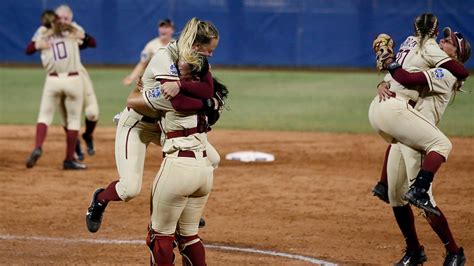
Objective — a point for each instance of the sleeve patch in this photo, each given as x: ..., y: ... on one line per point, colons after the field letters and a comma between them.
x: 144, y: 56
x: 173, y: 70
x: 153, y: 93
x: 438, y: 73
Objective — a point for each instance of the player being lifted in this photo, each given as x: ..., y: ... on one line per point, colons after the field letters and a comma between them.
x: 59, y: 45
x: 403, y: 160
x: 137, y: 129
x: 165, y: 36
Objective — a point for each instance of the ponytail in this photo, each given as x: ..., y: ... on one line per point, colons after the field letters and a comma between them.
x: 195, y: 32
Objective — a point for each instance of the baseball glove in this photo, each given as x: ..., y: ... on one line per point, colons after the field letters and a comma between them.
x: 220, y: 93
x: 383, y: 48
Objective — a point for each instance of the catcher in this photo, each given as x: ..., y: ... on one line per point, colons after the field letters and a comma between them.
x: 438, y: 86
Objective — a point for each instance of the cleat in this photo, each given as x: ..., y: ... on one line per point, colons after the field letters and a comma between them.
x: 381, y: 191
x: 73, y: 165
x: 95, y: 212
x: 455, y: 259
x: 78, y: 151
x: 419, y: 197
x: 202, y: 223
x: 413, y: 258
x: 34, y: 156
x: 89, y: 143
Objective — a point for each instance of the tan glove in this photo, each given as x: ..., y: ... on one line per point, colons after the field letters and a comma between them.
x: 383, y: 48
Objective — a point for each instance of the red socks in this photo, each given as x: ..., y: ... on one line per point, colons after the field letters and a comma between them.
x: 441, y: 228
x: 41, y: 130
x: 161, y: 247
x: 383, y: 175
x: 192, y: 250
x: 432, y: 162
x: 71, y: 140
x: 406, y: 222
x: 109, y: 194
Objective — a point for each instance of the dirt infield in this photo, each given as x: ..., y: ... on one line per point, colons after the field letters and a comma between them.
x: 314, y: 200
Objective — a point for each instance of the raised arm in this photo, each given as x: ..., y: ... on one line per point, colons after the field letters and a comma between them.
x: 456, y: 68
x: 88, y: 41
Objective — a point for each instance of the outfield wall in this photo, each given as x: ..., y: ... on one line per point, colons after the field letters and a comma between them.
x: 314, y: 33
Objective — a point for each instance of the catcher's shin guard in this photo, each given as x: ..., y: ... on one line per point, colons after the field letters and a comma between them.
x: 161, y: 248
x: 192, y: 250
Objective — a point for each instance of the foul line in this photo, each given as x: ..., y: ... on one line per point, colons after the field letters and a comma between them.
x: 142, y: 242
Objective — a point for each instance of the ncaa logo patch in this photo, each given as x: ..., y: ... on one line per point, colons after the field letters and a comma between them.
x: 173, y: 70
x: 438, y: 73
x: 154, y: 93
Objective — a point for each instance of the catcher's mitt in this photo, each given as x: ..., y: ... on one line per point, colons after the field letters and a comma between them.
x: 383, y: 48
x: 220, y: 93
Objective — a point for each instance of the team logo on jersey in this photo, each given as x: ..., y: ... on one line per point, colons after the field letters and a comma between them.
x: 438, y: 73
x: 144, y: 56
x: 154, y: 93
x: 173, y: 69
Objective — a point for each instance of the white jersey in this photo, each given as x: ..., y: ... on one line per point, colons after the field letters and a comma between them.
x: 62, y: 56
x: 414, y: 59
x: 435, y: 99
x: 151, y: 48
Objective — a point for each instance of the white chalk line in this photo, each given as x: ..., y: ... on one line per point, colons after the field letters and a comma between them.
x: 142, y: 242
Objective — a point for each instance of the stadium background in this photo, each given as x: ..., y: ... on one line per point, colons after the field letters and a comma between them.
x: 314, y: 200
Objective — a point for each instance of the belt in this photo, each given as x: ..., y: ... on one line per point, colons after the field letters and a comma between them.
x: 182, y: 133
x: 188, y: 154
x: 54, y: 74
x: 150, y: 120
x: 412, y: 103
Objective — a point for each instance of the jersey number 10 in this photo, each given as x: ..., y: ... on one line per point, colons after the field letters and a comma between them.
x: 59, y: 50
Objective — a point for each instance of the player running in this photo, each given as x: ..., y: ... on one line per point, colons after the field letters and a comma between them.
x: 165, y: 36
x: 59, y: 45
x: 136, y: 129
x: 404, y: 161
x: 90, y: 107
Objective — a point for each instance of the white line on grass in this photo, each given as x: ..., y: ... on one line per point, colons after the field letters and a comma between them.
x: 142, y: 242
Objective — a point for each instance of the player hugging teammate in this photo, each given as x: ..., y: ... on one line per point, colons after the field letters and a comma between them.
x: 173, y: 107
x: 412, y: 99
x: 55, y: 54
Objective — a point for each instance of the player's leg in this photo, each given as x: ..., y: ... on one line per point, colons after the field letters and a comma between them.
x: 49, y: 101
x: 190, y: 245
x: 381, y: 188
x: 73, y: 103
x: 396, y: 119
x: 63, y: 115
x: 131, y: 140
x: 398, y: 185
x: 91, y: 109
x: 438, y: 222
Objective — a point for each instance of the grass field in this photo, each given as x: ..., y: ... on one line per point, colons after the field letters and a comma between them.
x: 259, y: 100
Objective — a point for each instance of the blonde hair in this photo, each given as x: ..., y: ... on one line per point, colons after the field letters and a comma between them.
x: 196, y: 32
x: 65, y: 8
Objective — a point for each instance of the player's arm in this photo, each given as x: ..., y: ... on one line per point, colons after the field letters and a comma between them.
x: 439, y: 58
x: 136, y: 72
x: 88, y: 42
x: 407, y: 79
x: 202, y: 89
x: 31, y: 48
x: 456, y: 68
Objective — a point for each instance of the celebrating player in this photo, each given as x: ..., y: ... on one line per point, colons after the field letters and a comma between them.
x: 137, y: 128
x: 59, y: 45
x: 404, y: 160
x: 165, y: 36
x: 90, y: 107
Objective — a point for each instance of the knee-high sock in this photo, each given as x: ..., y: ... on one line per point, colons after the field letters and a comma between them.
x: 406, y: 222
x: 90, y: 126
x: 41, y: 130
x: 441, y: 228
x: 109, y: 194
x: 71, y: 139
x: 192, y: 251
x: 383, y: 174
x: 432, y: 162
x: 161, y: 247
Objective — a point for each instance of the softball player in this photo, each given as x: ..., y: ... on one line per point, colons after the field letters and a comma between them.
x: 404, y: 162
x: 401, y: 156
x: 165, y: 36
x: 59, y: 45
x: 90, y: 107
x: 137, y: 127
